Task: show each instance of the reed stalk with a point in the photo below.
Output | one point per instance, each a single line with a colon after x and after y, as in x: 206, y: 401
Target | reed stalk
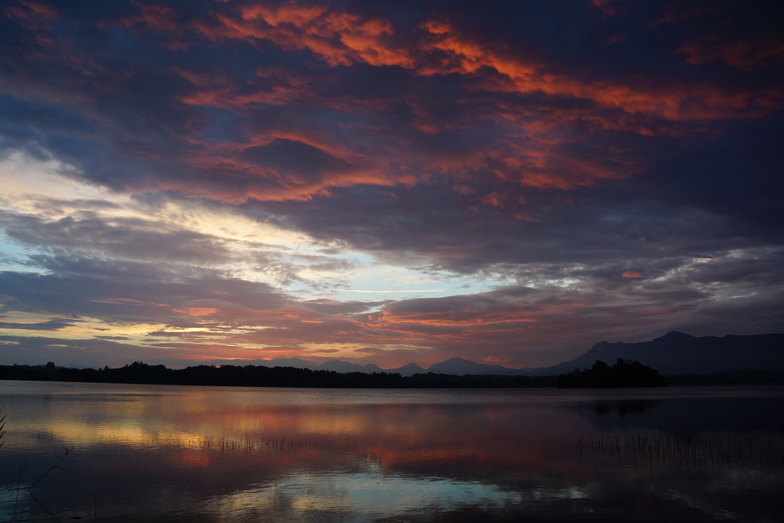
x: 2, y: 426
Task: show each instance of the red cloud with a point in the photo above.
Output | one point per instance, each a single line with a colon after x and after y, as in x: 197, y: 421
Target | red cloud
x: 276, y: 86
x: 159, y: 18
x: 535, y: 143
x: 743, y: 55
x: 672, y: 102
x: 197, y: 311
x: 339, y: 38
x: 271, y: 183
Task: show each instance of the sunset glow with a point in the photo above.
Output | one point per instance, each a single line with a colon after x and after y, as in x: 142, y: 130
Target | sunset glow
x: 218, y: 182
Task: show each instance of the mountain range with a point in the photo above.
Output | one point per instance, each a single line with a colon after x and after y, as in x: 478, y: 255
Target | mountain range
x: 672, y: 354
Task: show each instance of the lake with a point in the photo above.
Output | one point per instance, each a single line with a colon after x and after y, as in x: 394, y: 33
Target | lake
x: 111, y: 452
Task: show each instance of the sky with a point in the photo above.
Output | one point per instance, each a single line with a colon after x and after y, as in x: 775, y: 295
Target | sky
x: 212, y: 182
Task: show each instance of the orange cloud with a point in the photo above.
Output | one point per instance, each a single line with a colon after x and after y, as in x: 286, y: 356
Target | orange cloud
x: 532, y: 153
x: 276, y: 86
x: 494, y: 199
x: 267, y: 183
x: 339, y: 38
x: 289, y: 13
x: 673, y: 102
x: 631, y: 274
x: 197, y: 311
x: 743, y: 55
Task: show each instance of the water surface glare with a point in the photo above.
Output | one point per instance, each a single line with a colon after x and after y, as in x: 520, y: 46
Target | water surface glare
x: 110, y: 452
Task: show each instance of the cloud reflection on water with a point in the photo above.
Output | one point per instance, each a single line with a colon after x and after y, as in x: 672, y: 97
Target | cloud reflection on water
x: 218, y: 454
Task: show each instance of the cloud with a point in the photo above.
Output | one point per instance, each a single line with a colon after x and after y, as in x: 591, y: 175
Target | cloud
x: 51, y: 325
x: 306, y: 179
x: 120, y: 237
x: 335, y: 36
x: 305, y: 162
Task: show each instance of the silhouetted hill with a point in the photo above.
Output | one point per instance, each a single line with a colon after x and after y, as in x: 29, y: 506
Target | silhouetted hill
x: 460, y: 367
x: 678, y: 356
x: 345, y: 366
x: 675, y: 353
x: 408, y: 370
x: 678, y: 353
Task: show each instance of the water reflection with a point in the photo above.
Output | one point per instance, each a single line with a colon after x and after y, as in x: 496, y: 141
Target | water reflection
x: 213, y: 454
x: 748, y: 410
x: 623, y: 407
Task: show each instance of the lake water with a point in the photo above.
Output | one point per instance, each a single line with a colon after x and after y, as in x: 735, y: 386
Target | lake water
x: 108, y: 452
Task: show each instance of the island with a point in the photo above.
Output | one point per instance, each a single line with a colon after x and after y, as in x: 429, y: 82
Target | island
x: 601, y: 375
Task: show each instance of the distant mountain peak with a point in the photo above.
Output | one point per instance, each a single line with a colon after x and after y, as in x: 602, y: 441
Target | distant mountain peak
x: 457, y: 359
x: 675, y: 335
x: 408, y: 370
x: 673, y: 353
x: 680, y: 353
x: 414, y: 366
x: 460, y: 366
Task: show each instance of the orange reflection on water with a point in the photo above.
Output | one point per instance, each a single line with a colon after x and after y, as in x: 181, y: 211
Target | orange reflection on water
x: 359, y: 455
x: 284, y: 430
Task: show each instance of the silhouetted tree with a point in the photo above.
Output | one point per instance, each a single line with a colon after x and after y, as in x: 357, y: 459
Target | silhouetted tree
x: 623, y: 374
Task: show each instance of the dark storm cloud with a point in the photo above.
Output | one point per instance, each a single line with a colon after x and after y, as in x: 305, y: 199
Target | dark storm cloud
x: 595, y: 230
x: 143, y: 85
x: 736, y: 175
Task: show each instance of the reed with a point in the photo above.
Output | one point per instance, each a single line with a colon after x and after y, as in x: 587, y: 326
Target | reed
x: 702, y: 452
x: 59, y: 464
x: 2, y: 425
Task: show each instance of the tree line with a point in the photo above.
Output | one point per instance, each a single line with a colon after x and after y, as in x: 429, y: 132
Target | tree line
x: 625, y: 373
x: 261, y: 376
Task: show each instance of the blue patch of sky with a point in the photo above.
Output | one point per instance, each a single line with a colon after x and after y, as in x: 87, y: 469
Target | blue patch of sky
x: 13, y: 256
